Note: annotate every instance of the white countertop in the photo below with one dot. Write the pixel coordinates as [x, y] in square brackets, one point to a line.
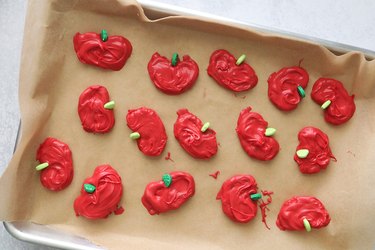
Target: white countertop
[346, 21]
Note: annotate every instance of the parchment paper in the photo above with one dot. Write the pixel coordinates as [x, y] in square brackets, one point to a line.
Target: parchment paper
[52, 79]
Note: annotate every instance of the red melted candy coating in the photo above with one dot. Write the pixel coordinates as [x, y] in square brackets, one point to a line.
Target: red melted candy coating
[342, 105]
[296, 209]
[235, 198]
[172, 80]
[320, 153]
[282, 87]
[250, 130]
[111, 54]
[148, 124]
[224, 70]
[187, 131]
[106, 197]
[158, 198]
[94, 117]
[59, 173]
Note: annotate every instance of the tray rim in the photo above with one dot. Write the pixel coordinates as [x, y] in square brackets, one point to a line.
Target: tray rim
[23, 230]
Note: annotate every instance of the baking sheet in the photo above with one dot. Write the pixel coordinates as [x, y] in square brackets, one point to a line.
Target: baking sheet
[52, 79]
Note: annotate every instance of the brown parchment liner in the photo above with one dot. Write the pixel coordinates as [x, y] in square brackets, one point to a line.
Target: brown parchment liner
[52, 79]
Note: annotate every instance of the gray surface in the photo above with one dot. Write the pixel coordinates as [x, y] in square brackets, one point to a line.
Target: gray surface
[346, 21]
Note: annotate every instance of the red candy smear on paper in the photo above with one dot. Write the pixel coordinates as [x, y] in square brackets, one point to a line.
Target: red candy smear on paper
[214, 175]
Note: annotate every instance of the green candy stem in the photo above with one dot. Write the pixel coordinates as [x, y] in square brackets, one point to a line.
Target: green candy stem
[134, 136]
[104, 35]
[109, 105]
[167, 179]
[270, 131]
[255, 197]
[326, 104]
[205, 127]
[241, 59]
[307, 225]
[302, 153]
[89, 188]
[41, 166]
[301, 91]
[174, 59]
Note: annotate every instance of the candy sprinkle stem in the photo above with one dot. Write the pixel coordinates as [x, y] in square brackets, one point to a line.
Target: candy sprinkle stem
[241, 59]
[109, 105]
[326, 104]
[104, 35]
[270, 132]
[301, 91]
[134, 136]
[255, 197]
[167, 179]
[174, 59]
[41, 166]
[307, 225]
[302, 153]
[205, 127]
[89, 188]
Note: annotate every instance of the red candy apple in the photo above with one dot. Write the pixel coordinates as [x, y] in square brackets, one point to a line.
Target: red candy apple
[170, 193]
[94, 115]
[253, 134]
[100, 194]
[283, 87]
[149, 128]
[172, 79]
[338, 105]
[224, 70]
[301, 210]
[313, 152]
[101, 50]
[59, 172]
[188, 132]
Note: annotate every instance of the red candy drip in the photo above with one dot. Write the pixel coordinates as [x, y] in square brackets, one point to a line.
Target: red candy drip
[235, 198]
[168, 157]
[187, 130]
[158, 198]
[251, 128]
[320, 153]
[342, 105]
[59, 173]
[282, 87]
[148, 124]
[294, 210]
[214, 175]
[94, 117]
[111, 54]
[106, 197]
[224, 71]
[263, 206]
[172, 80]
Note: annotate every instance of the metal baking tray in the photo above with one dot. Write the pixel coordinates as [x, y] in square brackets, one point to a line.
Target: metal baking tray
[44, 235]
